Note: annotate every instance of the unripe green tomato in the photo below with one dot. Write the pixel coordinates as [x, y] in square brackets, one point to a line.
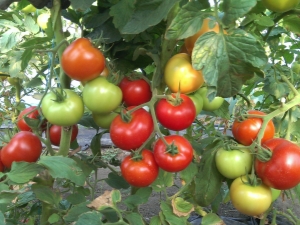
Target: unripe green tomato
[42, 20]
[275, 194]
[296, 67]
[104, 120]
[209, 105]
[198, 102]
[28, 9]
[280, 6]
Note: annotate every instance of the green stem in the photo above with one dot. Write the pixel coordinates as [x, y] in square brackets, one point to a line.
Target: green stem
[288, 130]
[47, 211]
[64, 146]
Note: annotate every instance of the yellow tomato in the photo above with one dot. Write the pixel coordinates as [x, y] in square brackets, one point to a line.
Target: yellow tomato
[280, 5]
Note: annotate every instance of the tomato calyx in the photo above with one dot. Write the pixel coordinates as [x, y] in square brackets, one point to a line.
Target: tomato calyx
[136, 156]
[126, 115]
[251, 180]
[172, 149]
[60, 95]
[263, 154]
[174, 100]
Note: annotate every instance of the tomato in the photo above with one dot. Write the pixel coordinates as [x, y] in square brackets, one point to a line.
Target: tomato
[63, 113]
[209, 105]
[233, 163]
[176, 161]
[198, 102]
[33, 114]
[282, 171]
[135, 92]
[42, 20]
[24, 146]
[1, 163]
[55, 134]
[140, 172]
[296, 67]
[245, 132]
[207, 26]
[275, 194]
[180, 72]
[250, 200]
[104, 120]
[130, 135]
[100, 96]
[280, 5]
[176, 114]
[82, 61]
[105, 72]
[28, 9]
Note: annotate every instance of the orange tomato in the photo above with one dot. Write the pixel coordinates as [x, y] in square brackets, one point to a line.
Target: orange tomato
[105, 72]
[179, 72]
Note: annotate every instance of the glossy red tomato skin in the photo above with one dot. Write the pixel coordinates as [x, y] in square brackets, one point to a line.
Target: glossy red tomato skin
[55, 134]
[245, 132]
[131, 135]
[176, 162]
[135, 92]
[24, 146]
[176, 117]
[140, 173]
[81, 61]
[2, 168]
[282, 171]
[22, 125]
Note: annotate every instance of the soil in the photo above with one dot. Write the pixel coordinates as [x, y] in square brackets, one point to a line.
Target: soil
[151, 209]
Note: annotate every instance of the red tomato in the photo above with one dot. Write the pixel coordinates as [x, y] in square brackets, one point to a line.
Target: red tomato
[33, 114]
[140, 172]
[135, 92]
[177, 161]
[24, 146]
[282, 171]
[245, 132]
[1, 164]
[55, 133]
[132, 134]
[82, 61]
[176, 116]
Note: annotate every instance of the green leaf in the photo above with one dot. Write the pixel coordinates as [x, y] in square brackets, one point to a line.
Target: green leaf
[34, 82]
[182, 207]
[88, 121]
[31, 25]
[189, 173]
[187, 21]
[211, 219]
[9, 39]
[62, 167]
[292, 23]
[141, 196]
[90, 218]
[227, 61]
[96, 143]
[22, 172]
[236, 9]
[54, 218]
[171, 218]
[139, 15]
[134, 218]
[81, 5]
[2, 219]
[6, 198]
[24, 198]
[264, 21]
[26, 57]
[116, 196]
[76, 198]
[116, 181]
[155, 220]
[275, 87]
[76, 211]
[164, 180]
[34, 42]
[72, 15]
[46, 194]
[97, 20]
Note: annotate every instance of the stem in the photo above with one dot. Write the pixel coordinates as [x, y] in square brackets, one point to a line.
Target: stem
[47, 211]
[288, 130]
[64, 146]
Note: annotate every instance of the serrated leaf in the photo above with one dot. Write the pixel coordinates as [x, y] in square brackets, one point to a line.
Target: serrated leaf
[227, 61]
[181, 207]
[140, 197]
[274, 87]
[46, 194]
[81, 5]
[9, 39]
[62, 167]
[26, 57]
[187, 21]
[22, 172]
[170, 217]
[134, 218]
[164, 180]
[34, 82]
[90, 218]
[31, 25]
[235, 9]
[139, 15]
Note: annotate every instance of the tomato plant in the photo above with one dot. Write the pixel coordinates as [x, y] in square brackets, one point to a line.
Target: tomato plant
[130, 133]
[245, 132]
[55, 134]
[140, 171]
[66, 110]
[207, 104]
[281, 171]
[30, 112]
[181, 76]
[251, 200]
[100, 96]
[24, 146]
[280, 5]
[234, 162]
[175, 157]
[135, 92]
[104, 120]
[82, 61]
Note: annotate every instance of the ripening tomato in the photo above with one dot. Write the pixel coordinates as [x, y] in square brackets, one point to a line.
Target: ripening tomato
[212, 105]
[131, 134]
[233, 163]
[32, 113]
[135, 92]
[280, 5]
[250, 200]
[140, 172]
[24, 146]
[82, 61]
[176, 157]
[207, 26]
[176, 114]
[245, 132]
[282, 171]
[55, 134]
[179, 75]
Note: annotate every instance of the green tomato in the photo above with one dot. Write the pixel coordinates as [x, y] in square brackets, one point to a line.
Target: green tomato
[104, 120]
[63, 113]
[296, 67]
[280, 5]
[209, 105]
[233, 163]
[28, 9]
[275, 194]
[198, 102]
[100, 96]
